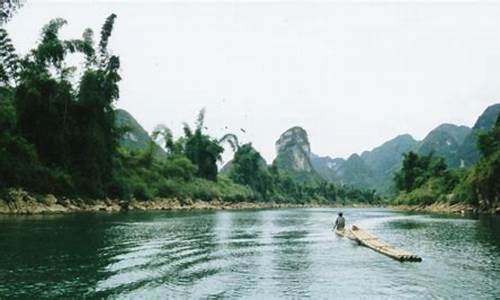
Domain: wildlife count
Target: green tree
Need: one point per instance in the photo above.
(163, 135)
(406, 178)
(96, 137)
(8, 8)
(19, 164)
(202, 150)
(71, 128)
(486, 175)
(9, 60)
(416, 170)
(249, 168)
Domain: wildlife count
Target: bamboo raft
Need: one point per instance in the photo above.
(346, 232)
(369, 240)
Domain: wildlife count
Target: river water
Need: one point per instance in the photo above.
(282, 253)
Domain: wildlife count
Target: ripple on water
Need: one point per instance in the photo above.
(249, 254)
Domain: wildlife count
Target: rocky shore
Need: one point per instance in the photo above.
(22, 202)
(443, 207)
(18, 201)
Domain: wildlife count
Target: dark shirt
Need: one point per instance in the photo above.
(340, 223)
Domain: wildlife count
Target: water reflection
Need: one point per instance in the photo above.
(488, 230)
(51, 256)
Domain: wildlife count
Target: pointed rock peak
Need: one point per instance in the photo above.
(294, 151)
(488, 118)
(292, 137)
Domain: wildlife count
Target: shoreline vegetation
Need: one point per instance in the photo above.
(426, 183)
(20, 202)
(60, 137)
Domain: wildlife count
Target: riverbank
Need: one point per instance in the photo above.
(22, 202)
(444, 207)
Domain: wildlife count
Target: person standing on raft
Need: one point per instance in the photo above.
(340, 222)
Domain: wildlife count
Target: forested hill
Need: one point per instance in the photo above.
(456, 144)
(469, 151)
(373, 169)
(426, 179)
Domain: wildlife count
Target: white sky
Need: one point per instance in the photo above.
(353, 74)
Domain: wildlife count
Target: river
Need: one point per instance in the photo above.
(280, 253)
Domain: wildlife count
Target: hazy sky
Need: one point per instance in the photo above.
(353, 74)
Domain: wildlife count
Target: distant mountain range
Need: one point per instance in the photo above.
(373, 169)
(445, 141)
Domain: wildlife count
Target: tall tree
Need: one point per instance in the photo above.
(8, 8)
(202, 150)
(97, 137)
(42, 100)
(248, 168)
(416, 170)
(72, 128)
(9, 61)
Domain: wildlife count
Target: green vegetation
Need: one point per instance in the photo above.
(135, 137)
(272, 183)
(8, 8)
(469, 151)
(61, 134)
(427, 179)
(375, 169)
(67, 133)
(371, 170)
(424, 179)
(485, 177)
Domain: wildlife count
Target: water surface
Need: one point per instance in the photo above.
(246, 254)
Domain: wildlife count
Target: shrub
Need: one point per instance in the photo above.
(119, 188)
(178, 167)
(141, 191)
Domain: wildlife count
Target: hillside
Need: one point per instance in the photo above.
(374, 169)
(444, 141)
(136, 138)
(468, 152)
(327, 167)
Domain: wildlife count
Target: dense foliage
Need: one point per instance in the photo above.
(427, 179)
(271, 183)
(64, 130)
(485, 177)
